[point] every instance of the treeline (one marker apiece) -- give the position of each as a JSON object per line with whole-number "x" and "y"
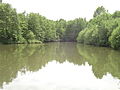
{"x": 102, "y": 30}
{"x": 34, "y": 28}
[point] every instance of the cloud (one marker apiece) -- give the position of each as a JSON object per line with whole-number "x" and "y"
{"x": 66, "y": 9}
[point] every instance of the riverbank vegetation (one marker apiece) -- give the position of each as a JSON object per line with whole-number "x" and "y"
{"x": 34, "y": 28}
{"x": 102, "y": 30}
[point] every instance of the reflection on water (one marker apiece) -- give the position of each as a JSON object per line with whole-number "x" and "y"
{"x": 58, "y": 66}
{"x": 103, "y": 60}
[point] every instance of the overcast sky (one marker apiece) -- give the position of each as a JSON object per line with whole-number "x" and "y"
{"x": 66, "y": 9}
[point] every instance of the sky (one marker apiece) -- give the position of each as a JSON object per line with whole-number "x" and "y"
{"x": 65, "y": 9}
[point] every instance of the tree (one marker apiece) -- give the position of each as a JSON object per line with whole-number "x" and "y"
{"x": 34, "y": 26}
{"x": 23, "y": 27}
{"x": 80, "y": 37}
{"x": 116, "y": 14}
{"x": 9, "y": 24}
{"x": 60, "y": 28}
{"x": 99, "y": 11}
{"x": 115, "y": 38}
{"x": 98, "y": 30}
{"x": 50, "y": 30}
{"x": 73, "y": 28}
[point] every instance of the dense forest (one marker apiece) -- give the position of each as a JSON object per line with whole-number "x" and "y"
{"x": 34, "y": 28}
{"x": 102, "y": 30}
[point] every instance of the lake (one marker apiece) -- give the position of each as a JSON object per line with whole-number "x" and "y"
{"x": 59, "y": 66}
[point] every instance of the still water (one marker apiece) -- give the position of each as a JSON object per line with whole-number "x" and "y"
{"x": 59, "y": 66}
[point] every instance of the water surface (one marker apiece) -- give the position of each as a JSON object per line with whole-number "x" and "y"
{"x": 59, "y": 66}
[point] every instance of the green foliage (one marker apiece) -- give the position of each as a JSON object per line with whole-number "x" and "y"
{"x": 115, "y": 38}
{"x": 60, "y": 28}
{"x": 116, "y": 14}
{"x": 23, "y": 27}
{"x": 9, "y": 25}
{"x": 80, "y": 37}
{"x": 99, "y": 11}
{"x": 50, "y": 31}
{"x": 99, "y": 29}
{"x": 42, "y": 28}
{"x": 34, "y": 26}
{"x": 102, "y": 30}
{"x": 73, "y": 28}
{"x": 29, "y": 28}
{"x": 91, "y": 36}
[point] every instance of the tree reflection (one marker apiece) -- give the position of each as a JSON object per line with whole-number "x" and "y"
{"x": 14, "y": 58}
{"x": 23, "y": 58}
{"x": 103, "y": 60}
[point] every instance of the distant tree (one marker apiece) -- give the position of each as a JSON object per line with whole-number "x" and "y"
{"x": 50, "y": 30}
{"x": 60, "y": 28}
{"x": 34, "y": 25}
{"x": 9, "y": 24}
{"x": 116, "y": 14}
{"x": 99, "y": 11}
{"x": 115, "y": 38}
{"x": 98, "y": 30}
{"x": 23, "y": 26}
{"x": 73, "y": 28}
